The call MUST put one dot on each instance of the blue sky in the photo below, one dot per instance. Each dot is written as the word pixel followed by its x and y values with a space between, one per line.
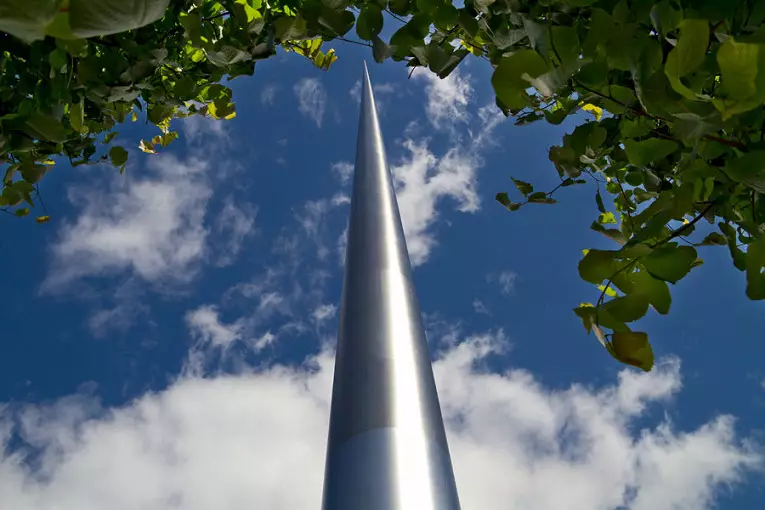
pixel 168 336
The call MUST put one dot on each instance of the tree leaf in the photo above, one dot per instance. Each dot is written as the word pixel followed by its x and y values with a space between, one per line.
pixel 118 155
pixel 670 263
pixel 648 151
pixel 147 147
pixel 748 169
pixel 369 22
pixel 665 17
pixel 524 187
pixel 598 265
pixel 503 199
pixel 632 348
pixel 508 78
pixel 714 238
pixel 77 116
pixel 46 127
pixel 26 19
pixel 380 50
pixel 755 270
pixel 42 219
pixel 627 308
pixel 688 54
pixel 90 19
pixel 655 291
pixel 738 65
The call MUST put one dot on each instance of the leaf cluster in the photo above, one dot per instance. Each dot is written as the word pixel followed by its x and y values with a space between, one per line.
pixel 673 89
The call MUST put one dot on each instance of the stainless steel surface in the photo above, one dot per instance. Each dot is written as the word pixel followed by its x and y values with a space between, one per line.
pixel 387 448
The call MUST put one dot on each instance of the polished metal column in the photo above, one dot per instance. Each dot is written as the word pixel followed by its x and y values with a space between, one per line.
pixel 387 448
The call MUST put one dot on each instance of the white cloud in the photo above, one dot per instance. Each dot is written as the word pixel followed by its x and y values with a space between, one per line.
pixel 505 279
pixel 257 440
pixel 380 90
pixel 447 98
pixel 149 225
pixel 312 98
pixel 342 246
pixel 343 170
pixel 268 94
pixel 422 180
pixel 233 225
pixel 479 307
pixel 128 307
pixel 312 217
pixel 324 312
pixel 197 128
pixel 206 327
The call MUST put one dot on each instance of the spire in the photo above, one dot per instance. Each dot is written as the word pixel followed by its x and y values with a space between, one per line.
pixel 387 447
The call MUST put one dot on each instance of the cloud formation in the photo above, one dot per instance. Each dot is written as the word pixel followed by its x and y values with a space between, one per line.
pixel 257 439
pixel 234 224
pixel 312 99
pixel 151 226
pixel 423 178
pixel 343 170
pixel 448 99
pixel 505 279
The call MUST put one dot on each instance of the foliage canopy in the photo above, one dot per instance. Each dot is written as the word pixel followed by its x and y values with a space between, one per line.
pixel 675 90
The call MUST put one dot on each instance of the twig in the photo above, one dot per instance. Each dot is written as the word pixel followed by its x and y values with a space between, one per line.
pixel 610 281
pixel 42 203
pixel 353 42
pixel 627 210
pixel 396 16
pixel 220 14
pixel 687 226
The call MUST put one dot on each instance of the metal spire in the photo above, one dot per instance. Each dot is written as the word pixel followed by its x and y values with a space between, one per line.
pixel 387 448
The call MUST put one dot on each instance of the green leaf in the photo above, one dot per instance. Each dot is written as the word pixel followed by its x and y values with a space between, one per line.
pixel 714 239
pixel 738 65
pixel 109 137
pixel 21 212
pixel 370 22
pixel 643 284
pixel 598 265
pixel 468 22
pixel 118 155
pixel 627 308
pixel 599 202
pixel 632 348
pixel 748 169
pixel 665 17
pixel 428 5
pixel 510 78
pixel 688 54
pixel 670 263
pixel 26 19
pixel 90 19
pixel 755 267
pixel 229 55
pixel 647 151
pixel 611 233
pixel 738 256
pixel 47 128
pixel 607 218
pixel 32 172
pixel 503 199
pixel 76 116
pixel 380 50
pixel 524 187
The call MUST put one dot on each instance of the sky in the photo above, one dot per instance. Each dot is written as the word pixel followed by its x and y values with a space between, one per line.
pixel 168 337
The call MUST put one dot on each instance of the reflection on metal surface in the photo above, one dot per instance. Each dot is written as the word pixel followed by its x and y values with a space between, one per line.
pixel 387 448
